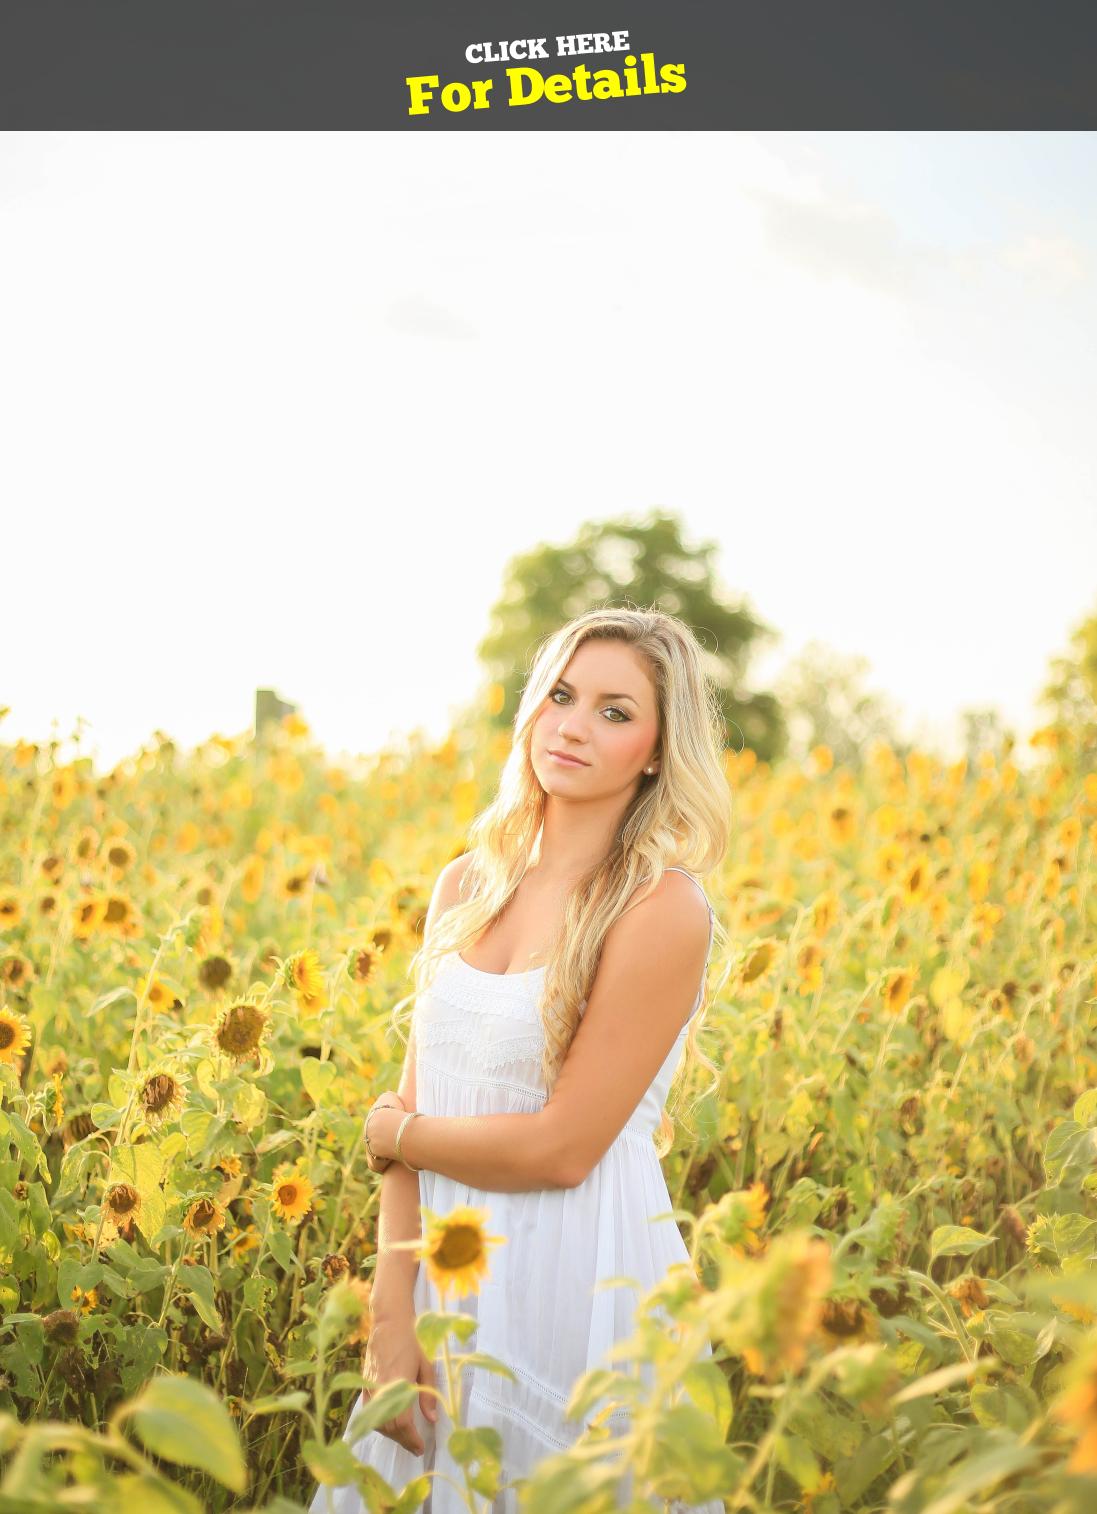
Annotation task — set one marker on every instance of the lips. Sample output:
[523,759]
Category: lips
[567,757]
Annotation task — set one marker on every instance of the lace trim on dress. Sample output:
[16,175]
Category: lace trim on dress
[490,994]
[491,1054]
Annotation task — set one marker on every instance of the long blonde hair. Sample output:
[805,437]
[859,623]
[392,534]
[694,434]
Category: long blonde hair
[680,816]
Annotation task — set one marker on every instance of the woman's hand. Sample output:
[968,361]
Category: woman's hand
[382,1130]
[394,1352]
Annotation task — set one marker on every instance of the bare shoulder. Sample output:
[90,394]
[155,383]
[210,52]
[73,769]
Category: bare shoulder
[448,885]
[672,920]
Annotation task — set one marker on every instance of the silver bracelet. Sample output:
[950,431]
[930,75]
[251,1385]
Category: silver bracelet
[365,1128]
[413,1115]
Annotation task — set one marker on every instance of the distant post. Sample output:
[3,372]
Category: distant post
[269,709]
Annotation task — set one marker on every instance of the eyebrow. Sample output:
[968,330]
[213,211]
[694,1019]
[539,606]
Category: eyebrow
[565,685]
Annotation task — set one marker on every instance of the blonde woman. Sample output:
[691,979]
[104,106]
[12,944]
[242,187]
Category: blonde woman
[561,974]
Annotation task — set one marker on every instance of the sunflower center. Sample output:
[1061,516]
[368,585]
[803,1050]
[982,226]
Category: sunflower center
[458,1247]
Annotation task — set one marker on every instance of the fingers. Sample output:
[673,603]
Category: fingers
[402,1430]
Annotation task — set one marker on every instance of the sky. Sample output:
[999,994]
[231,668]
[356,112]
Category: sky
[279,407]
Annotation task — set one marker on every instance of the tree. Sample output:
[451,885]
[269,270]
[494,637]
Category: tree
[643,563]
[826,704]
[1071,690]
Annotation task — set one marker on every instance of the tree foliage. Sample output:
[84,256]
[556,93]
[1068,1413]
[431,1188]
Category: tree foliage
[1071,689]
[643,563]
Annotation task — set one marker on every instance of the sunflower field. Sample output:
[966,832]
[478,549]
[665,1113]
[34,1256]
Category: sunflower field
[887,1184]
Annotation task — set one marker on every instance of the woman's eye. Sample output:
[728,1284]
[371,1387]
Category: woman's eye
[612,707]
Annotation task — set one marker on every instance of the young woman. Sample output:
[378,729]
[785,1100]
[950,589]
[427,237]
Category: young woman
[560,976]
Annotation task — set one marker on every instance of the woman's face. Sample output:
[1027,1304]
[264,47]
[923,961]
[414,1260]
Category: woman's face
[603,712]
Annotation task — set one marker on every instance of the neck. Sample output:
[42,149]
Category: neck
[574,838]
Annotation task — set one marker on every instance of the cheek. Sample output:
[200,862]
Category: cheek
[630,742]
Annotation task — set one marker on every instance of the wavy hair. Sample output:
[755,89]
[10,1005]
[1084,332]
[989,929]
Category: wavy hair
[680,816]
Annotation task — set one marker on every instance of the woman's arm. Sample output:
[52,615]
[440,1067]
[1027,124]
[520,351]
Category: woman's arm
[398,1218]
[646,983]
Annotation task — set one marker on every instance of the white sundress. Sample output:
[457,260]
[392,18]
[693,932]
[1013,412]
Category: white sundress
[478,1043]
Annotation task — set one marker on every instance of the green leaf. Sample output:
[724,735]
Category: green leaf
[873,1457]
[1001,1405]
[105,1001]
[1085,1108]
[9,1222]
[183,1421]
[197,1284]
[386,1403]
[277,1403]
[152,1494]
[333,1465]
[982,1471]
[798,1460]
[943,1377]
[708,1388]
[432,1327]
[956,1240]
[1069,1154]
[484,1447]
[317,1077]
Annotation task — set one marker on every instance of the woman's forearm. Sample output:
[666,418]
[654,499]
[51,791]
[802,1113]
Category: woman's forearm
[398,1220]
[504,1153]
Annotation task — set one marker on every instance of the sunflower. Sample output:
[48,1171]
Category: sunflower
[204,1217]
[240,1030]
[791,1310]
[122,1210]
[738,1217]
[363,963]
[243,1242]
[119,855]
[162,1095]
[120,915]
[61,1326]
[916,879]
[251,879]
[809,966]
[63,787]
[11,908]
[78,1128]
[47,905]
[455,1249]
[293,885]
[86,915]
[16,971]
[14,1035]
[156,993]
[970,1294]
[51,867]
[291,1194]
[335,1267]
[842,824]
[845,1321]
[214,972]
[302,972]
[758,960]
[897,989]
[86,844]
[824,912]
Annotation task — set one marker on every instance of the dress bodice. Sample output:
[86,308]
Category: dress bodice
[486,1027]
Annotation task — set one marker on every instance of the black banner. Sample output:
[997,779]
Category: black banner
[603,65]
